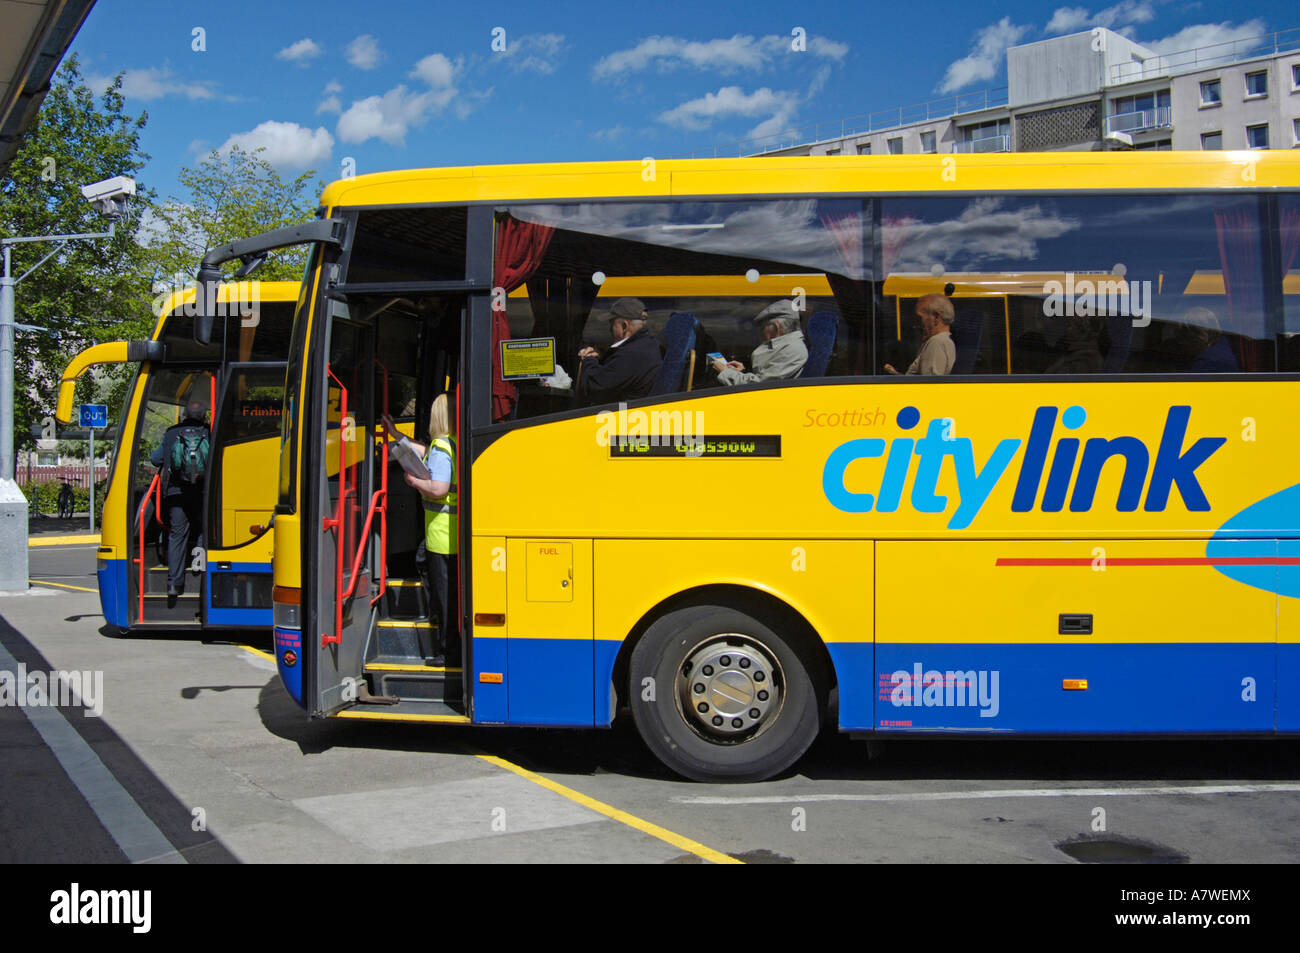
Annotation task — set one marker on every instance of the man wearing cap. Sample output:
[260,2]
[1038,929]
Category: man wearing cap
[631,364]
[782,354]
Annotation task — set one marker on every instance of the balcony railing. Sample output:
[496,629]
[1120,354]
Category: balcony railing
[1158,118]
[930,111]
[1204,57]
[984,144]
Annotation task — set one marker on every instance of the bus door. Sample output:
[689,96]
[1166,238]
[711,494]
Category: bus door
[377,643]
[241,496]
[168,390]
[343,510]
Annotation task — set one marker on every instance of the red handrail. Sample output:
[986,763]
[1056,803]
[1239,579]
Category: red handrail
[336,522]
[378,504]
[155,490]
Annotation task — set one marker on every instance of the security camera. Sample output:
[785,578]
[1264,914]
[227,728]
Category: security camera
[111,196]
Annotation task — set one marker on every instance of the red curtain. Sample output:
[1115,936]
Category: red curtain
[519,250]
[1290,238]
[1239,254]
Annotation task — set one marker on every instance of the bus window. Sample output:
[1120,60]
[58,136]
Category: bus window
[1112,284]
[703,271]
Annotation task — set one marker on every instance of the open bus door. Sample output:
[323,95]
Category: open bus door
[240,496]
[373,650]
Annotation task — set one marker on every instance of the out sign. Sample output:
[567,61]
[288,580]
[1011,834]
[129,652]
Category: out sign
[93,416]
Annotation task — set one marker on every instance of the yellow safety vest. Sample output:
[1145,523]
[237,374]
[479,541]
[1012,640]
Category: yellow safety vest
[440,522]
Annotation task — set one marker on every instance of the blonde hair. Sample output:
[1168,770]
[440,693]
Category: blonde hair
[439,424]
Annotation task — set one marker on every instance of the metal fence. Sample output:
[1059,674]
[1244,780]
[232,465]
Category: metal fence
[77,475]
[1204,57]
[877,121]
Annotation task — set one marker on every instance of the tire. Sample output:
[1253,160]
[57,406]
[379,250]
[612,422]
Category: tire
[736,660]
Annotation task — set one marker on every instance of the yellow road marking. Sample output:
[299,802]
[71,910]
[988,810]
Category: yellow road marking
[623,817]
[61,585]
[62,540]
[258,652]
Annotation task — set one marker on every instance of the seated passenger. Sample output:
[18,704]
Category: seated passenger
[938,354]
[782,354]
[1082,348]
[630,366]
[1200,338]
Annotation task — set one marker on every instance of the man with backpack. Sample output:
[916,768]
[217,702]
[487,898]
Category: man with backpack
[182,456]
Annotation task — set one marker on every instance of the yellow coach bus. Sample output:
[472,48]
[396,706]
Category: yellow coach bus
[1084,518]
[241,374]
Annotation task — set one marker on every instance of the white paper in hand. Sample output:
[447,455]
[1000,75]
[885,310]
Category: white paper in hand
[404,453]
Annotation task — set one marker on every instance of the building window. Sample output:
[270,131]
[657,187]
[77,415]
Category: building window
[1162,145]
[1295,76]
[1257,84]
[1295,130]
[832,150]
[864,148]
[1134,104]
[1212,140]
[1211,93]
[1257,136]
[927,142]
[896,146]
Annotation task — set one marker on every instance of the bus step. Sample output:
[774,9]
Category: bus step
[402,639]
[184,609]
[409,709]
[428,686]
[406,599]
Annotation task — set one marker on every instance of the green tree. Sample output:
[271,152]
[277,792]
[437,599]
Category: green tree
[88,291]
[231,195]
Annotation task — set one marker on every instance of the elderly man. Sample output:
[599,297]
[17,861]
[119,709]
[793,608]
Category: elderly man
[938,354]
[632,362]
[782,354]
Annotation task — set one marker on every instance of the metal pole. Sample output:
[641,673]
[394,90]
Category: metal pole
[92,478]
[7,371]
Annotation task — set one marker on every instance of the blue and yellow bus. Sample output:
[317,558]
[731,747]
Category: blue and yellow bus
[1085,519]
[240,374]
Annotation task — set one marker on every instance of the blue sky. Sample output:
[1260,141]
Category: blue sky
[394,84]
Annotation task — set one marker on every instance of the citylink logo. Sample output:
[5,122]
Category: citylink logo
[1172,466]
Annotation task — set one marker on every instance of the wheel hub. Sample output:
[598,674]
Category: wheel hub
[729,688]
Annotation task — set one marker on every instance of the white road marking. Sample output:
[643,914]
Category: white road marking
[128,825]
[1199,790]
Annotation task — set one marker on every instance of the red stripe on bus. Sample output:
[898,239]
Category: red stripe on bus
[1151,561]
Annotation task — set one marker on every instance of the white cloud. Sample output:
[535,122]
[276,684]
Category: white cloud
[436,70]
[612,134]
[155,83]
[1207,34]
[1124,13]
[331,102]
[302,52]
[733,101]
[730,55]
[986,55]
[333,86]
[287,144]
[389,117]
[363,52]
[535,52]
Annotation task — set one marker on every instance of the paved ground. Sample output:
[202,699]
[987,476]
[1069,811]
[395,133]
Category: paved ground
[199,735]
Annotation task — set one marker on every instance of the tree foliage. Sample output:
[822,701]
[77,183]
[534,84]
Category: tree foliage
[231,195]
[89,290]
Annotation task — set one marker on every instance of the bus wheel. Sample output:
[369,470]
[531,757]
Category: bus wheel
[719,696]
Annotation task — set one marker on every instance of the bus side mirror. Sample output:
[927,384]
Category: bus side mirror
[205,301]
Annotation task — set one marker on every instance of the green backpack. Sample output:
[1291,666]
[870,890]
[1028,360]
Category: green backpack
[189,457]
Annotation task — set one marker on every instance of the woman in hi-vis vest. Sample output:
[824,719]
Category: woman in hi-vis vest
[440,528]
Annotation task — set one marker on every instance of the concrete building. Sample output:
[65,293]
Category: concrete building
[1090,91]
